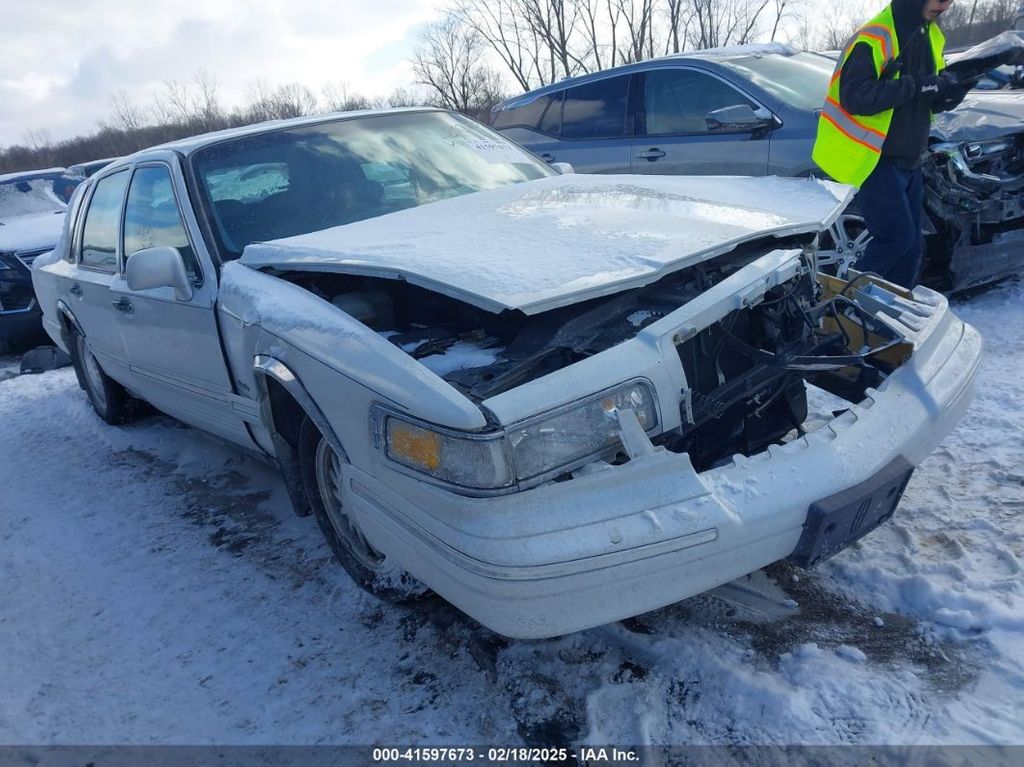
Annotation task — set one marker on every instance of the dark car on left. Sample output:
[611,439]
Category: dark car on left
[32,208]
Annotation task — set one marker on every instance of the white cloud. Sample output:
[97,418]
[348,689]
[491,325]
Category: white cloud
[64,59]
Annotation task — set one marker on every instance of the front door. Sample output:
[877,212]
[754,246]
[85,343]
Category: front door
[173,345]
[673,136]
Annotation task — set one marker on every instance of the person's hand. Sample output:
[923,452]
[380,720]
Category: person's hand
[939,87]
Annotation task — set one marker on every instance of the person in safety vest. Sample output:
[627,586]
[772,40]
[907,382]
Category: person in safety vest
[874,125]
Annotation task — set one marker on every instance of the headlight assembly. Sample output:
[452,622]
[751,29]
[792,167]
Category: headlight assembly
[527,452]
[469,461]
[581,431]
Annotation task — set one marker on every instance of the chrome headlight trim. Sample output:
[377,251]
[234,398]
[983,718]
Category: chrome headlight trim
[380,414]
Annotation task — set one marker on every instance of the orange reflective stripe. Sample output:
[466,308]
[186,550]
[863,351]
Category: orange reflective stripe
[883,35]
[868,137]
[848,135]
[853,119]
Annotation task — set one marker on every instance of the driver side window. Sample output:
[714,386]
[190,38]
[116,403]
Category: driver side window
[152,219]
[678,100]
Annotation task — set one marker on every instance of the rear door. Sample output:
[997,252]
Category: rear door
[673,137]
[590,126]
[85,288]
[173,345]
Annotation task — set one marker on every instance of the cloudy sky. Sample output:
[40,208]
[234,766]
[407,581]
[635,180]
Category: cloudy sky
[63,59]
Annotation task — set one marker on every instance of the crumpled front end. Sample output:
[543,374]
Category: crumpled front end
[703,459]
[974,192]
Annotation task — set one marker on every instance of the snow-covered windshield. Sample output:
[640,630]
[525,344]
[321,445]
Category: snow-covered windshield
[290,182]
[800,80]
[31,196]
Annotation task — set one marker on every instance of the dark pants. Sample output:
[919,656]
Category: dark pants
[891,202]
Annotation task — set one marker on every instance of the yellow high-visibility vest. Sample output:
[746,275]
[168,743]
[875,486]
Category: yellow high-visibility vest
[848,146]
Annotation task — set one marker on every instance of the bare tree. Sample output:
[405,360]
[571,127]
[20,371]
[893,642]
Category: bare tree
[338,98]
[281,103]
[208,114]
[40,142]
[126,114]
[400,97]
[506,27]
[967,24]
[449,62]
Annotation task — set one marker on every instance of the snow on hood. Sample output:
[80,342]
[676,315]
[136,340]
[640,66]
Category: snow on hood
[1004,48]
[30,233]
[553,242]
[982,116]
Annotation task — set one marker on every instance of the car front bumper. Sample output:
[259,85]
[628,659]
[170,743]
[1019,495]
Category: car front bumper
[632,538]
[21,324]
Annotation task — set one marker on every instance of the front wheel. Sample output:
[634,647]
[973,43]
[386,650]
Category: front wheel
[323,484]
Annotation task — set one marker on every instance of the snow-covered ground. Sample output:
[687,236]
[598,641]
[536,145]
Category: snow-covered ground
[155,587]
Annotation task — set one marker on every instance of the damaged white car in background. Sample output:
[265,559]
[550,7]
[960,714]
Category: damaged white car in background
[555,400]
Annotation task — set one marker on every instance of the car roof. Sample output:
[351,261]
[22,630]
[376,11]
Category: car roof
[192,144]
[29,175]
[93,163]
[707,55]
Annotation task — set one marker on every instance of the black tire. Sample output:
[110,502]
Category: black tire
[320,466]
[108,398]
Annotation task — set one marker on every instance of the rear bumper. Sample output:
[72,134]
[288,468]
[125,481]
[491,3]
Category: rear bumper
[628,539]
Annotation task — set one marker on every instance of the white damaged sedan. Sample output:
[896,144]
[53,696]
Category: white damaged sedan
[555,400]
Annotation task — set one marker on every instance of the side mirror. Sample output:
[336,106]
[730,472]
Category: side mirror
[565,168]
[158,268]
[739,117]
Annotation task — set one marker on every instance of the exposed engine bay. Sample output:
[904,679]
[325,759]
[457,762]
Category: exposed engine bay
[746,373]
[974,195]
[974,177]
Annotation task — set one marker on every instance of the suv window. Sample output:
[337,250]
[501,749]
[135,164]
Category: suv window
[552,120]
[596,110]
[152,218]
[525,116]
[677,100]
[99,238]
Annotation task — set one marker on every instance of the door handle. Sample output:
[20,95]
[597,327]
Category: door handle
[123,305]
[547,157]
[76,289]
[652,154]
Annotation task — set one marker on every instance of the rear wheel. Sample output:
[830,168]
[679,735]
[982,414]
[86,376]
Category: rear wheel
[108,398]
[323,484]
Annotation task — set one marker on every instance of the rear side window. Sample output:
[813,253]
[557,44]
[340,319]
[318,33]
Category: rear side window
[596,110]
[152,218]
[71,224]
[678,100]
[552,120]
[525,116]
[100,235]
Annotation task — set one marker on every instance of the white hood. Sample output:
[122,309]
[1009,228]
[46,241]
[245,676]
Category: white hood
[549,243]
[29,233]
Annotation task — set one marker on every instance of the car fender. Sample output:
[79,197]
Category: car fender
[260,314]
[68,321]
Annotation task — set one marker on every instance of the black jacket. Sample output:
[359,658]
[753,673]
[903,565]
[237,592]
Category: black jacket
[861,92]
